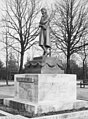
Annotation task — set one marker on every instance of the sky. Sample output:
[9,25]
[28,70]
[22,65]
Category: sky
[2,50]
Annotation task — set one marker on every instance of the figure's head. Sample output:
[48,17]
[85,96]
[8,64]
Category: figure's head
[43,11]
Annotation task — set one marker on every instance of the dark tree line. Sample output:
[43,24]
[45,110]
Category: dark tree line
[9,71]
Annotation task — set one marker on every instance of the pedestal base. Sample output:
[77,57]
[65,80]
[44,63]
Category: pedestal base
[47,65]
[44,108]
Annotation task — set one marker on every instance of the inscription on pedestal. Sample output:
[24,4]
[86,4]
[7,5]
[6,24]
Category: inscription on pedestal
[28,91]
[28,80]
[28,88]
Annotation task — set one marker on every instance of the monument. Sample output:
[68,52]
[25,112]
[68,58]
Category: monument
[45,88]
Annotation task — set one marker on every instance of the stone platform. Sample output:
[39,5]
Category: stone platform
[44,108]
[40,93]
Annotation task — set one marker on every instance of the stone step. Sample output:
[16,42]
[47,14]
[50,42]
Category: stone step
[23,105]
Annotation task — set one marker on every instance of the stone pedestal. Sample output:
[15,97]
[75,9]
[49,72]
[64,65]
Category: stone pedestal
[47,65]
[38,88]
[39,93]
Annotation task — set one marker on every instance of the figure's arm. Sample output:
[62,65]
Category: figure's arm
[44,23]
[43,26]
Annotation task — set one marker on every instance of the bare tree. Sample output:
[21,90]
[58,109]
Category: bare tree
[22,24]
[6,42]
[69,26]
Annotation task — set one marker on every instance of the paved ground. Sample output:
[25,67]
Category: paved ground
[82,93]
[6,91]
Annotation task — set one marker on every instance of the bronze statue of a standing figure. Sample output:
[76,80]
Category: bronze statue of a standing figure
[44,40]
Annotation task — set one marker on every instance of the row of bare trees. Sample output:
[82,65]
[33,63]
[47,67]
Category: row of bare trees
[69,26]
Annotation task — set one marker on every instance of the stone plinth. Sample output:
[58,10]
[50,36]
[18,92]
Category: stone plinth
[48,65]
[44,92]
[39,88]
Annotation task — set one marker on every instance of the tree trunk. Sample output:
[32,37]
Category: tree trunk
[84,64]
[21,62]
[84,70]
[68,57]
[6,59]
[6,75]
[68,71]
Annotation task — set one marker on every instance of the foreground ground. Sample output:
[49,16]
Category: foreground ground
[6,91]
[82,93]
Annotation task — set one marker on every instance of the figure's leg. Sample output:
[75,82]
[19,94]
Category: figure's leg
[44,50]
[49,52]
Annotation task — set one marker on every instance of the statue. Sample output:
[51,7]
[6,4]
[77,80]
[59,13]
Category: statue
[44,40]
